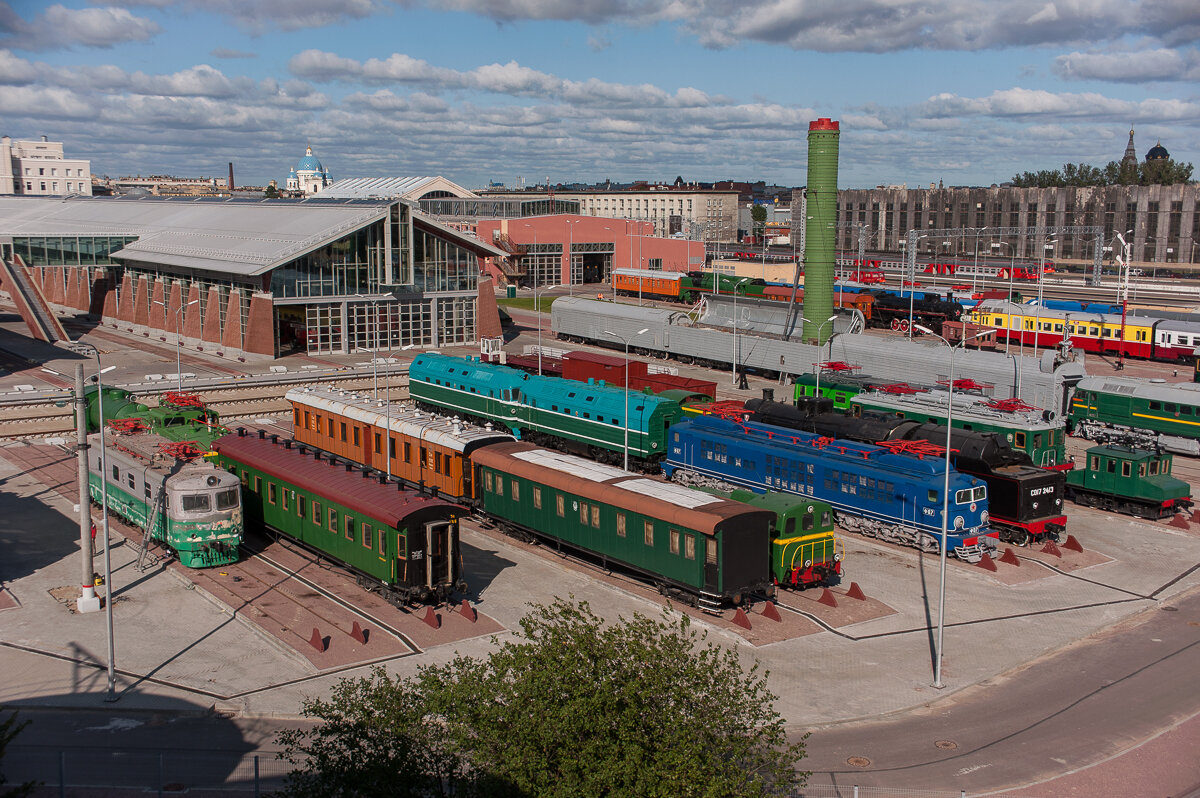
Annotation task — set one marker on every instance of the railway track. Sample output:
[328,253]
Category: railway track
[51,417]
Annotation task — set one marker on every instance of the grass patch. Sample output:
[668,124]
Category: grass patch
[526,303]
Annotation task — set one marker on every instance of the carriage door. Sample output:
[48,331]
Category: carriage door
[710,565]
[439,553]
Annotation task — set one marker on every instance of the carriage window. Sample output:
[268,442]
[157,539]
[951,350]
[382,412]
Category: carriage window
[499,486]
[1020,440]
[537,498]
[516,491]
[487,481]
[620,525]
[806,525]
[1185,410]
[583,513]
[437,462]
[301,507]
[316,514]
[258,485]
[195,502]
[382,544]
[689,547]
[710,551]
[129,479]
[560,506]
[1153,467]
[1141,469]
[357,439]
[349,527]
[1112,466]
[378,443]
[596,516]
[227,499]
[147,493]
[648,532]
[1170,407]
[296,416]
[826,518]
[333,521]
[1095,464]
[245,478]
[366,536]
[407,452]
[674,540]
[331,427]
[343,432]
[1126,469]
[270,492]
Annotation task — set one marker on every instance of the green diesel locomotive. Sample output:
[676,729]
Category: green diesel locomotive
[1123,479]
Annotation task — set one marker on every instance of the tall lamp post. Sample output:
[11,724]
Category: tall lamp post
[817,365]
[626,420]
[975,275]
[178,337]
[1011,268]
[108,589]
[937,666]
[736,351]
[1037,324]
[538,305]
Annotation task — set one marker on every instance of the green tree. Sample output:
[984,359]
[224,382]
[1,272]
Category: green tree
[573,706]
[1164,173]
[758,214]
[271,192]
[1148,173]
[9,729]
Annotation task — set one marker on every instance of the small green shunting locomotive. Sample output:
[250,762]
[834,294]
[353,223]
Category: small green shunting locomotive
[1123,479]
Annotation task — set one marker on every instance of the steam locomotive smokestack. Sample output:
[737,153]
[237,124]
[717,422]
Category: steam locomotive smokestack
[231,175]
[819,228]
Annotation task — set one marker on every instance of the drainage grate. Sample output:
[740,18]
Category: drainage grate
[859,762]
[946,745]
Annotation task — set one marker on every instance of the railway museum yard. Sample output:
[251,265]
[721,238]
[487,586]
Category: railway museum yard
[240,638]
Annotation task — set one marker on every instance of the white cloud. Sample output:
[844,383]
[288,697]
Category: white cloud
[259,16]
[59,26]
[1048,106]
[14,70]
[1129,67]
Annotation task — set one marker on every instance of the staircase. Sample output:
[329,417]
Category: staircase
[31,304]
[514,264]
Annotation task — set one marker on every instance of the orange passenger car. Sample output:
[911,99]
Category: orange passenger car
[424,450]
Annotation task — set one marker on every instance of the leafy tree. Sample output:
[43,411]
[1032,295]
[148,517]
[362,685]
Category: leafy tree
[1164,173]
[271,192]
[573,706]
[9,729]
[758,214]
[1148,173]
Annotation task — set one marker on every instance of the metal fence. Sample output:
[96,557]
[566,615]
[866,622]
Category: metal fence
[81,772]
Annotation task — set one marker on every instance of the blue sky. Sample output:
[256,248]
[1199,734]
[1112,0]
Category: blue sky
[967,92]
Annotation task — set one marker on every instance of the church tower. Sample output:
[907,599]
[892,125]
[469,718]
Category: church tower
[1128,175]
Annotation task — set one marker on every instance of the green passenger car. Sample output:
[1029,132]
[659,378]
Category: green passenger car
[701,548]
[583,418]
[401,543]
[1126,480]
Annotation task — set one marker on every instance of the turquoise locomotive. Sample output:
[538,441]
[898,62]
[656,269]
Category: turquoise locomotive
[875,490]
[1124,479]
[401,543]
[188,504]
[582,418]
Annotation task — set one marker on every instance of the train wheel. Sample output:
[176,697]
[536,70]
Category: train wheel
[927,542]
[903,325]
[895,325]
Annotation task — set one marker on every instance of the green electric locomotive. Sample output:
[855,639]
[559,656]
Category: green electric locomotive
[189,504]
[1146,413]
[178,417]
[1123,479]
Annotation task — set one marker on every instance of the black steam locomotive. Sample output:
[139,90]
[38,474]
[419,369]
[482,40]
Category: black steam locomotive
[928,309]
[1025,502]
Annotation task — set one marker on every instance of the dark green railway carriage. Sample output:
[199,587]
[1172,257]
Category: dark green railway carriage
[699,547]
[1127,480]
[402,544]
[582,417]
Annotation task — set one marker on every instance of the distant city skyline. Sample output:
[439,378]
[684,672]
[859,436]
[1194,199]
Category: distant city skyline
[965,93]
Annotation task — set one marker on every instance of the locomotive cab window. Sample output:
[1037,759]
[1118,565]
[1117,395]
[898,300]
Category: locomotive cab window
[1126,468]
[1153,467]
[333,520]
[271,493]
[349,528]
[227,499]
[195,502]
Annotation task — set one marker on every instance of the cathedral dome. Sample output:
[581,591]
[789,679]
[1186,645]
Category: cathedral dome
[1158,153]
[309,162]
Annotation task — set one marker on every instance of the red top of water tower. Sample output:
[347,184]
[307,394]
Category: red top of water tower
[824,123]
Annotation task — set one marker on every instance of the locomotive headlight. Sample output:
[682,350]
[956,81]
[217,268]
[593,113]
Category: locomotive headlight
[837,558]
[808,563]
[958,522]
[1057,502]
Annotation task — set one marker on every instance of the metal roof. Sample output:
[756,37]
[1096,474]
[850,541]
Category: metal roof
[410,188]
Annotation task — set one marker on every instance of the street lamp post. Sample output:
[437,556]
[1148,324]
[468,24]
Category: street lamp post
[736,351]
[975,275]
[538,305]
[626,419]
[1011,268]
[937,667]
[817,365]
[1037,324]
[178,338]
[108,589]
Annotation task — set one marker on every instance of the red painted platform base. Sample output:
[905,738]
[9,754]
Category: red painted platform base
[856,592]
[432,619]
[1051,548]
[986,562]
[828,598]
[1180,521]
[468,612]
[1073,544]
[316,641]
[1009,557]
[741,619]
[359,634]
[769,611]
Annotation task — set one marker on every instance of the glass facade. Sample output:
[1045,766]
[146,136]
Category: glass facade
[441,265]
[69,250]
[349,265]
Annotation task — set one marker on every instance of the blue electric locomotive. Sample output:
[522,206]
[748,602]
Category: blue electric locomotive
[876,492]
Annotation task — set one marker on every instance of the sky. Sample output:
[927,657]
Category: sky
[963,92]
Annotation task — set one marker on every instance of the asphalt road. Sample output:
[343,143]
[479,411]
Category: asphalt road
[1062,713]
